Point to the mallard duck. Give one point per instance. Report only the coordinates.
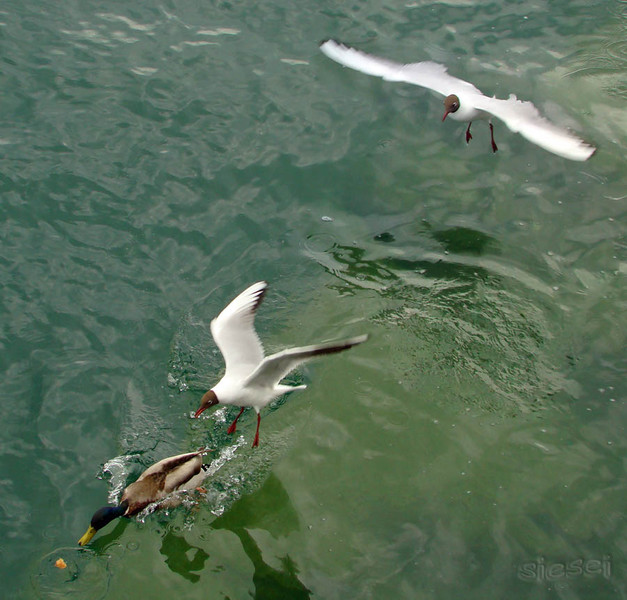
(180, 472)
(252, 379)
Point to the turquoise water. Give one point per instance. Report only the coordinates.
(158, 158)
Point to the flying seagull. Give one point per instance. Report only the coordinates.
(252, 380)
(464, 102)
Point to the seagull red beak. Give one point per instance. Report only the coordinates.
(446, 113)
(207, 401)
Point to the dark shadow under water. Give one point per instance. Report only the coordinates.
(271, 509)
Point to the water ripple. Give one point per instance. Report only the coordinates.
(85, 576)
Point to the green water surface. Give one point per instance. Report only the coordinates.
(156, 158)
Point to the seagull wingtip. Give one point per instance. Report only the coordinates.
(329, 47)
(259, 290)
(332, 48)
(583, 153)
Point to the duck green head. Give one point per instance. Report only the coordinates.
(102, 517)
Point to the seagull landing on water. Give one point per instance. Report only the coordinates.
(464, 102)
(250, 378)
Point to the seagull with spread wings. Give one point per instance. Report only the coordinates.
(252, 379)
(464, 102)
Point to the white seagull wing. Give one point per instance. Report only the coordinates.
(524, 118)
(234, 332)
(425, 74)
(277, 366)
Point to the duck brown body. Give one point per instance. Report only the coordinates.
(161, 479)
(175, 473)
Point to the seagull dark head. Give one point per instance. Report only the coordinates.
(207, 401)
(451, 105)
(103, 516)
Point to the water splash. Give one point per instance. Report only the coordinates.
(117, 469)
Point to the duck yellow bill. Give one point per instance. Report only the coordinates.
(90, 533)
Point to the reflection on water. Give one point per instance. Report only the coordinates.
(162, 157)
(464, 240)
(181, 557)
(105, 540)
(269, 582)
(270, 509)
(462, 314)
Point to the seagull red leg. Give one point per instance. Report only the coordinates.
(256, 440)
(233, 425)
(468, 136)
(494, 146)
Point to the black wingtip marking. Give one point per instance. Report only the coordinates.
(333, 349)
(261, 294)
